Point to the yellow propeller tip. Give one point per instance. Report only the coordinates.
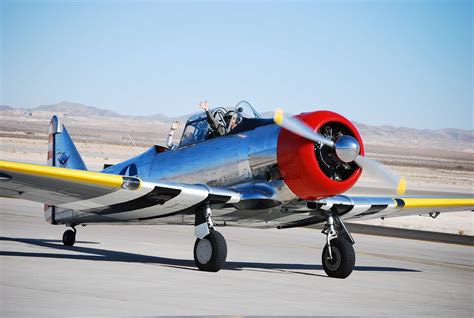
(402, 186)
(278, 118)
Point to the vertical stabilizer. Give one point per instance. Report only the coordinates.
(61, 153)
(61, 149)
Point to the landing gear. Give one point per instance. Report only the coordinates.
(338, 257)
(210, 248)
(69, 237)
(210, 252)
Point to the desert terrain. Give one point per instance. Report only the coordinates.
(432, 160)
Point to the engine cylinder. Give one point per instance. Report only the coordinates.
(312, 170)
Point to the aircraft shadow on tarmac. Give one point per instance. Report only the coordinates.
(96, 254)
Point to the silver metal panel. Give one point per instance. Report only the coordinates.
(213, 162)
(243, 165)
(142, 163)
(221, 161)
(116, 197)
(361, 207)
(263, 146)
(186, 196)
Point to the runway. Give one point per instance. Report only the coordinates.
(149, 270)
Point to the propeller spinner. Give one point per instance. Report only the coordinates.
(346, 147)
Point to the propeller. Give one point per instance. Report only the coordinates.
(346, 147)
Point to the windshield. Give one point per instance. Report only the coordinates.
(195, 132)
(244, 109)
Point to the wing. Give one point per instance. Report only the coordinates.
(359, 207)
(85, 196)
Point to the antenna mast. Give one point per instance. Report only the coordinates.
(133, 143)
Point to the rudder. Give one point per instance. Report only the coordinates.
(61, 149)
(61, 153)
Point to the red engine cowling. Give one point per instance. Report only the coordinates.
(310, 170)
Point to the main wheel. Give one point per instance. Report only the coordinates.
(210, 253)
(69, 238)
(343, 258)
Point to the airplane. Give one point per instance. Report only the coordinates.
(281, 172)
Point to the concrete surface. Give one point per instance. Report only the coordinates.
(149, 270)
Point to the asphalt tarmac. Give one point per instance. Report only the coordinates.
(149, 270)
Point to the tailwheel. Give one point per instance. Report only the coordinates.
(340, 260)
(69, 237)
(210, 252)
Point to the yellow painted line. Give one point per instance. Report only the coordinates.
(278, 118)
(437, 202)
(79, 176)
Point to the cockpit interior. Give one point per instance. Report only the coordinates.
(242, 117)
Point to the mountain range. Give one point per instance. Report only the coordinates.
(460, 139)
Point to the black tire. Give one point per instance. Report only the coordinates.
(69, 238)
(343, 261)
(214, 259)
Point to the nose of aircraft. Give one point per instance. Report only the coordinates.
(333, 141)
(324, 166)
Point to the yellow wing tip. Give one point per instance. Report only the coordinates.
(278, 118)
(402, 186)
(423, 203)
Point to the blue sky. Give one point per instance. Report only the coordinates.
(402, 63)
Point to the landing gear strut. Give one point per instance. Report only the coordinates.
(338, 257)
(210, 248)
(69, 237)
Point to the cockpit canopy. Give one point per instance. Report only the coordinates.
(197, 127)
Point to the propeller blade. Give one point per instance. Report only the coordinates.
(300, 128)
(346, 147)
(379, 170)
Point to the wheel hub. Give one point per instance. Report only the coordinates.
(204, 251)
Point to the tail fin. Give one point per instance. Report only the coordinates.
(61, 153)
(61, 149)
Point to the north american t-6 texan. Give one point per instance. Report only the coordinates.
(231, 168)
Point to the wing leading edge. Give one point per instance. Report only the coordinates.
(375, 207)
(85, 196)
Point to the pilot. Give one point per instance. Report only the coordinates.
(169, 140)
(217, 128)
(231, 120)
